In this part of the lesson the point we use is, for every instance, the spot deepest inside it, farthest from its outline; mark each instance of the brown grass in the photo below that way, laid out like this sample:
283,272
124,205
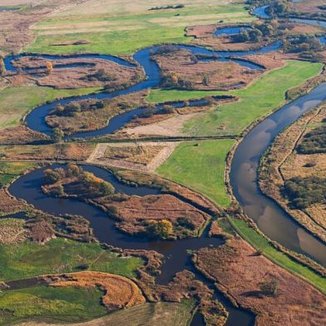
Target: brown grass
134,212
119,291
221,75
12,231
9,204
20,135
96,119
76,77
238,271
71,151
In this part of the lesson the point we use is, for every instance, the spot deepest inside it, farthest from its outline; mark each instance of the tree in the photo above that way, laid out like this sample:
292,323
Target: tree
106,189
269,287
51,176
58,191
57,135
73,170
162,229
49,67
206,80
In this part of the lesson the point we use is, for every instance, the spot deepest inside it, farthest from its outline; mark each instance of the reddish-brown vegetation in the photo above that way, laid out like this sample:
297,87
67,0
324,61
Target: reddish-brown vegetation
91,73
181,68
50,152
20,135
9,204
15,25
255,283
119,291
88,118
143,214
204,36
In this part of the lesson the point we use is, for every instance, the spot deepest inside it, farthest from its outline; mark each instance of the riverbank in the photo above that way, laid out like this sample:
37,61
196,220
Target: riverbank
282,162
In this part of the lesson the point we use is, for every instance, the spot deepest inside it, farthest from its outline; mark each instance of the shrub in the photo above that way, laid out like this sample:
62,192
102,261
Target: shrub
161,229
269,288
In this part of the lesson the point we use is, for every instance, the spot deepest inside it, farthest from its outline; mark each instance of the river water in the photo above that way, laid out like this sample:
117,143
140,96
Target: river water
270,217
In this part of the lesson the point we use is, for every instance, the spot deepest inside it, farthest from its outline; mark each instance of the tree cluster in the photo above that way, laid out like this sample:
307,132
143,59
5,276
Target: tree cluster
162,229
71,109
314,141
90,184
256,32
302,44
304,192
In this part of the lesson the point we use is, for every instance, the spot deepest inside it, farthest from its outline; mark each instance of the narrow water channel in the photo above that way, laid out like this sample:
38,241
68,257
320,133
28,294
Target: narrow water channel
270,217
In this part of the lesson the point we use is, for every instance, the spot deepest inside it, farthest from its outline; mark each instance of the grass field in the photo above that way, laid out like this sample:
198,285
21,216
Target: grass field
259,242
121,27
200,166
47,303
58,256
9,171
257,100
153,314
15,102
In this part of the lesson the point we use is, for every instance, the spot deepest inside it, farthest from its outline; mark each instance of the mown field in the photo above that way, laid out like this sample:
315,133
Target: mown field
15,102
121,27
59,255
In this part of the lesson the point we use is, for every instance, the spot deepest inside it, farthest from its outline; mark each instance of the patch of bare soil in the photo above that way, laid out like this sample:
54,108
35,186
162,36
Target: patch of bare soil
255,283
169,127
50,152
181,67
283,163
20,135
90,73
141,215
135,156
119,291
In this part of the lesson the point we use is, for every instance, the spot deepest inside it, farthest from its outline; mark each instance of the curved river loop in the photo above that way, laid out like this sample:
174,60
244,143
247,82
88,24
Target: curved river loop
269,216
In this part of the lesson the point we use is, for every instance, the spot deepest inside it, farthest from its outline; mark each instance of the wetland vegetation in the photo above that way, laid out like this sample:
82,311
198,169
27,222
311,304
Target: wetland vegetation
118,163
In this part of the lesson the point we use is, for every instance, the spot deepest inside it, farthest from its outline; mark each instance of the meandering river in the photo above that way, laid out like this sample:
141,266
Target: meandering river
269,216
